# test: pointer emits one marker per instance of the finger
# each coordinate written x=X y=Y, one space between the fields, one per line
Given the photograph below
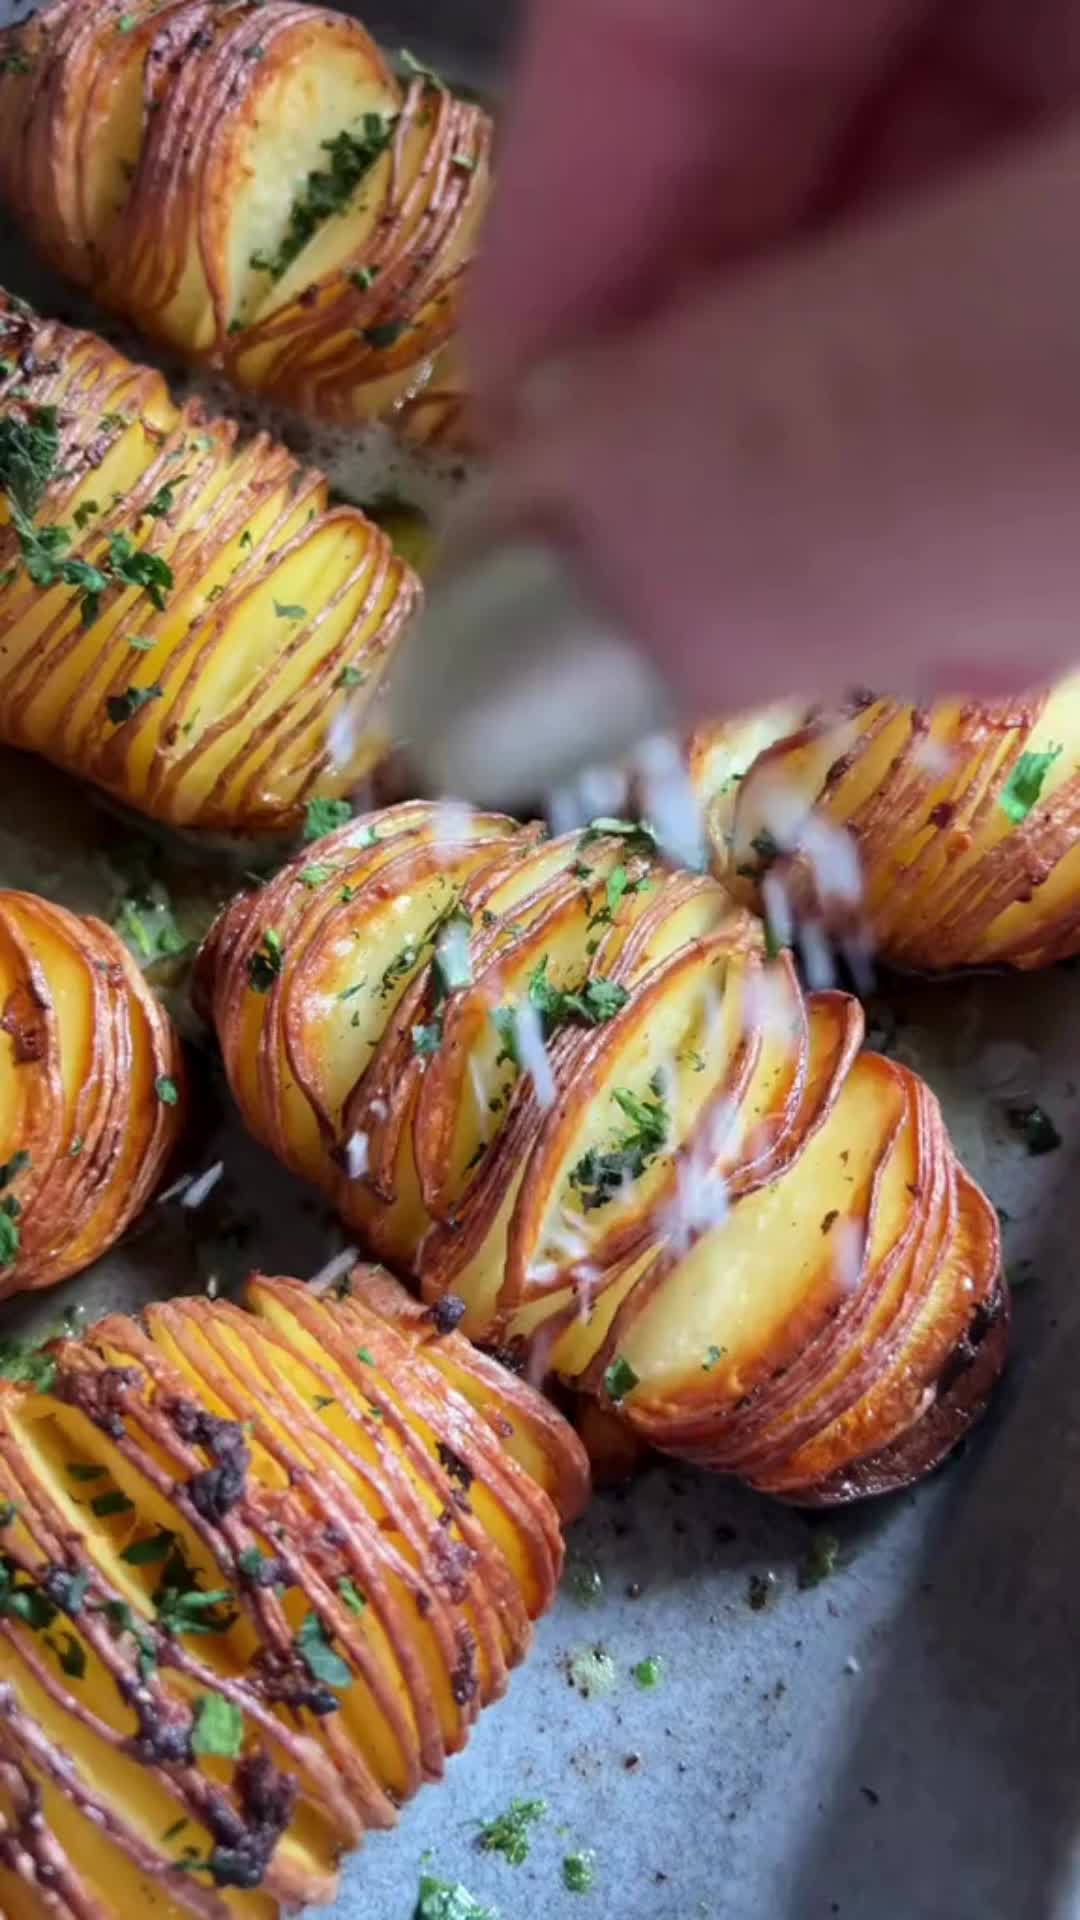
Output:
x=646 y=132
x=858 y=464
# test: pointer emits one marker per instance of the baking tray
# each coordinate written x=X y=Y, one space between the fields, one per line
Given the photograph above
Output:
x=899 y=1742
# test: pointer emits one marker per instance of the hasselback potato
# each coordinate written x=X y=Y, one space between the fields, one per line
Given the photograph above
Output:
x=183 y=619
x=260 y=1571
x=567 y=1084
x=92 y=1091
x=253 y=185
x=964 y=817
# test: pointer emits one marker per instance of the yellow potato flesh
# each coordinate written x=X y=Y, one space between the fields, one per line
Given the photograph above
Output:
x=716 y=1297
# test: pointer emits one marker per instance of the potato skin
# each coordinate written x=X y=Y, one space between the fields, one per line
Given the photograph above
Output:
x=227 y=669
x=94 y=1091
x=778 y=1271
x=139 y=134
x=964 y=817
x=286 y=1555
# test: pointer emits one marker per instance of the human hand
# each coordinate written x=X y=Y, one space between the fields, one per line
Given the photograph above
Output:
x=787 y=303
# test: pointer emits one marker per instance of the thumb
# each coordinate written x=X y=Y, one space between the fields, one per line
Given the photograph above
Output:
x=857 y=464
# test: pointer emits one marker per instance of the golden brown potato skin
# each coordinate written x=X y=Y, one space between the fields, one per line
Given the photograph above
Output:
x=965 y=818
x=92 y=1091
x=699 y=1199
x=241 y=681
x=275 y=1562
x=256 y=188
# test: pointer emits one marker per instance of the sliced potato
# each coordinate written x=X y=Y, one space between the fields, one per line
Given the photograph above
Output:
x=274 y=1563
x=253 y=186
x=92 y=1092
x=963 y=820
x=207 y=640
x=609 y=1135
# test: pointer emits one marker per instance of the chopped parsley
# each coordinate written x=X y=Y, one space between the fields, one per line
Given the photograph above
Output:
x=108 y=1505
x=350 y=677
x=266 y=962
x=323 y=816
x=619 y=1379
x=438 y=1900
x=328 y=190
x=10 y=1169
x=70 y=1654
x=217 y=1728
x=649 y=1672
x=1025 y=783
x=713 y=1355
x=592 y=1673
x=164 y=499
x=25 y=1363
x=351 y=1596
x=427 y=1039
x=639 y=838
x=314 y=876
x=147 y=925
x=166 y=1090
x=84 y=1475
x=121 y=706
x=385 y=334
x=323 y=1664
x=599 y=1176
x=591 y=1005
x=286 y=612
x=508 y=1833
x=29 y=450
x=363 y=277
x=579 y=1872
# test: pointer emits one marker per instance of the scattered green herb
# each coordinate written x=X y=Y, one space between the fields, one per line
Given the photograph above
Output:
x=1025 y=783
x=166 y=1090
x=324 y=1665
x=599 y=1176
x=286 y=612
x=217 y=1728
x=149 y=1552
x=619 y=1379
x=508 y=1833
x=713 y=1355
x=327 y=190
x=324 y=816
x=353 y=1599
x=84 y=1476
x=25 y=1363
x=579 y=1872
x=266 y=962
x=592 y=1672
x=121 y=706
x=438 y=1900
x=648 y=1673
x=314 y=875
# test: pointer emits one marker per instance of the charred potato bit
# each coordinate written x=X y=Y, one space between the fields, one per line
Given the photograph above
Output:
x=259 y=1572
x=92 y=1092
x=965 y=818
x=565 y=1085
x=253 y=186
x=183 y=619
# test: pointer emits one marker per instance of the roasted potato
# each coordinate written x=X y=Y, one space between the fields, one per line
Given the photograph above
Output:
x=261 y=1570
x=567 y=1085
x=92 y=1092
x=183 y=620
x=254 y=186
x=960 y=823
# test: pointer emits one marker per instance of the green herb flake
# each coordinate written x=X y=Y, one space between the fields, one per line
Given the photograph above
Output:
x=23 y=1362
x=508 y=1833
x=174 y=1832
x=166 y=1090
x=328 y=190
x=265 y=964
x=363 y=277
x=286 y=612
x=819 y=1561
x=351 y=1596
x=1025 y=783
x=325 y=1666
x=217 y=1728
x=350 y=677
x=384 y=335
x=85 y=1475
x=314 y=876
x=70 y=1654
x=648 y=1673
x=713 y=1356
x=323 y=816
x=438 y=1900
x=151 y=1551
x=619 y=1380
x=599 y=1176
x=427 y=1039
x=12 y=1168
x=368 y=1358
x=107 y=1505
x=586 y=1583
x=579 y=1872
x=122 y=706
